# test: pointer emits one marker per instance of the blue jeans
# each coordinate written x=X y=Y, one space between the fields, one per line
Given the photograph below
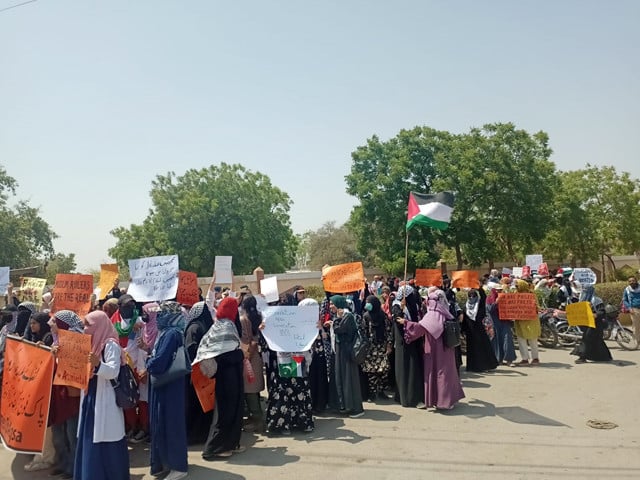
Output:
x=502 y=341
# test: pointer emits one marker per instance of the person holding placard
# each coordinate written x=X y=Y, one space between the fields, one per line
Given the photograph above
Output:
x=39 y=329
x=527 y=331
x=592 y=345
x=503 y=334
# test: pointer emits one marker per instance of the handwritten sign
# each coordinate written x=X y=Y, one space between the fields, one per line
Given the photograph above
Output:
x=533 y=261
x=222 y=269
x=4 y=280
x=290 y=329
x=517 y=306
x=584 y=276
x=344 y=278
x=205 y=388
x=517 y=272
x=73 y=366
x=465 y=279
x=269 y=288
x=72 y=291
x=428 y=277
x=188 y=293
x=108 y=275
x=153 y=278
x=580 y=313
x=31 y=289
x=26 y=395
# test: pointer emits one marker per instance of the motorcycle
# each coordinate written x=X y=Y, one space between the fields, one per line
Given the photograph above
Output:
x=568 y=335
x=614 y=329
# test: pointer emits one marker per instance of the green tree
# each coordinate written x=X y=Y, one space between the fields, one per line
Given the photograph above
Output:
x=25 y=237
x=219 y=210
x=331 y=245
x=59 y=263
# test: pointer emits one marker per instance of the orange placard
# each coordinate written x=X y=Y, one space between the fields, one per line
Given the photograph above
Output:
x=465 y=279
x=580 y=313
x=343 y=278
x=72 y=291
x=73 y=359
x=108 y=275
x=205 y=388
x=517 y=306
x=26 y=394
x=187 y=288
x=428 y=277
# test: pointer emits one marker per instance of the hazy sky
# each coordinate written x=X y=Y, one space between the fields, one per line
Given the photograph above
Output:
x=97 y=97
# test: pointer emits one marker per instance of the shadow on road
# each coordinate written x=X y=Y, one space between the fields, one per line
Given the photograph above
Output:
x=478 y=409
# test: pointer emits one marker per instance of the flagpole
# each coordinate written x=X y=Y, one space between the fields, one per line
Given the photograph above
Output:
x=406 y=256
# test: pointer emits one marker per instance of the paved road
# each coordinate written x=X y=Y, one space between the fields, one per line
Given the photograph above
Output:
x=516 y=423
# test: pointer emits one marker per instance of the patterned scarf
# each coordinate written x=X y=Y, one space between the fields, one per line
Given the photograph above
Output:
x=221 y=338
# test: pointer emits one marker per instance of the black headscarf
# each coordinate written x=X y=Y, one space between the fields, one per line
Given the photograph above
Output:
x=250 y=306
x=44 y=335
x=376 y=318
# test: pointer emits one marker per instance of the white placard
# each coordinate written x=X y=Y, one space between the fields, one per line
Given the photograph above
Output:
x=290 y=329
x=584 y=276
x=506 y=271
x=4 y=280
x=153 y=278
x=269 y=288
x=261 y=303
x=534 y=261
x=517 y=272
x=222 y=269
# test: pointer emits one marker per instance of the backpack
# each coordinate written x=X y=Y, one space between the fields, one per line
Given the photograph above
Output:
x=126 y=387
x=362 y=344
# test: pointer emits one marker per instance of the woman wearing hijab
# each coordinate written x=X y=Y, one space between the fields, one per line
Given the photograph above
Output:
x=39 y=329
x=376 y=366
x=25 y=310
x=480 y=355
x=502 y=341
x=250 y=319
x=408 y=357
x=101 y=452
x=527 y=331
x=222 y=343
x=199 y=321
x=347 y=374
x=442 y=387
x=289 y=404
x=65 y=403
x=169 y=434
x=592 y=346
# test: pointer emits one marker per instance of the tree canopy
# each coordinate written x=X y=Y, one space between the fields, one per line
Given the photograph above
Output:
x=218 y=210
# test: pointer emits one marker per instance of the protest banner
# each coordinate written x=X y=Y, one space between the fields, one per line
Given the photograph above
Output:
x=584 y=276
x=465 y=279
x=108 y=275
x=72 y=291
x=533 y=261
x=543 y=270
x=580 y=314
x=517 y=306
x=290 y=329
x=4 y=280
x=153 y=278
x=31 y=289
x=428 y=277
x=26 y=395
x=73 y=364
x=205 y=388
x=269 y=288
x=222 y=270
x=343 y=278
x=188 y=293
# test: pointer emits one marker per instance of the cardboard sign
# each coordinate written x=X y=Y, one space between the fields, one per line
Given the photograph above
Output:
x=108 y=275
x=205 y=388
x=517 y=306
x=4 y=280
x=533 y=261
x=517 y=272
x=428 y=277
x=31 y=289
x=290 y=329
x=188 y=293
x=73 y=364
x=269 y=288
x=465 y=279
x=543 y=270
x=72 y=291
x=222 y=270
x=26 y=395
x=580 y=314
x=584 y=276
x=153 y=278
x=343 y=278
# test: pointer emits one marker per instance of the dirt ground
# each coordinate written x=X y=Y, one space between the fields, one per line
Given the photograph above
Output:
x=515 y=423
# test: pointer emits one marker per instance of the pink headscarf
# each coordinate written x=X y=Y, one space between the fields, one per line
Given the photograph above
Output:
x=150 y=328
x=101 y=329
x=437 y=313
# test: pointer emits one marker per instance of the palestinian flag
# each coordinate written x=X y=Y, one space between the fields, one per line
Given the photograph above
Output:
x=432 y=210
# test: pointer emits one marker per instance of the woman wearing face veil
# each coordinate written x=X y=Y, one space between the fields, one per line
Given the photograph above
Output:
x=376 y=366
x=592 y=346
x=480 y=355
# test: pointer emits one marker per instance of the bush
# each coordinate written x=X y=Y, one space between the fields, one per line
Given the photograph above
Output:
x=315 y=291
x=611 y=292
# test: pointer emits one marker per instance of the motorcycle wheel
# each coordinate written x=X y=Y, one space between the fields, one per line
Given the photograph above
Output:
x=626 y=339
x=563 y=339
x=548 y=337
x=606 y=333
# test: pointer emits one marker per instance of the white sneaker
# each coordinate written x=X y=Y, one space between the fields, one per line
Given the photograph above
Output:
x=175 y=475
x=357 y=415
